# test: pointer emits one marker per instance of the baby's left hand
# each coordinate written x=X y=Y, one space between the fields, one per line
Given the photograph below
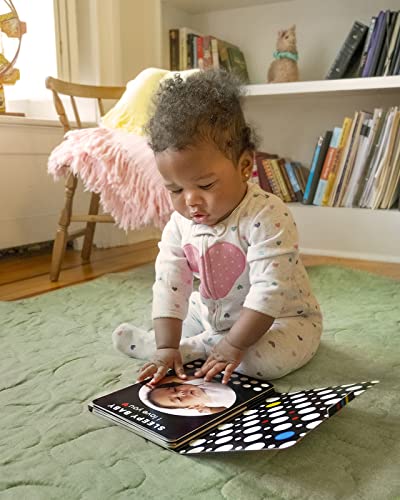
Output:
x=224 y=356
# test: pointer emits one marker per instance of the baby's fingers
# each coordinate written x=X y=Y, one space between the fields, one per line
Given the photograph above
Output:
x=178 y=367
x=147 y=371
x=228 y=372
x=160 y=374
x=207 y=366
x=217 y=367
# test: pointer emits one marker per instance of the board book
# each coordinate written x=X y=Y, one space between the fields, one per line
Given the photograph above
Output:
x=206 y=417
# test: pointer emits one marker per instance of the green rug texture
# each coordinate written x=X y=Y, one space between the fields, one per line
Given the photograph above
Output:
x=56 y=355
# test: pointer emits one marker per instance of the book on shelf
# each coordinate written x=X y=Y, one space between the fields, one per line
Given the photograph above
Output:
x=346 y=127
x=273 y=181
x=297 y=188
x=281 y=164
x=377 y=160
x=394 y=68
x=388 y=27
x=344 y=158
x=392 y=190
x=318 y=159
x=366 y=135
x=210 y=417
x=327 y=166
x=174 y=49
x=377 y=39
x=351 y=49
x=392 y=43
x=349 y=163
x=281 y=180
x=390 y=19
x=262 y=176
x=301 y=174
x=367 y=44
x=384 y=169
x=376 y=138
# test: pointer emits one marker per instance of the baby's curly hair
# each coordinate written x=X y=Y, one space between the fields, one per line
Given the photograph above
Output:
x=205 y=107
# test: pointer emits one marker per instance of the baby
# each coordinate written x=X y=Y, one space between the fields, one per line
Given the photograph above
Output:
x=193 y=394
x=254 y=312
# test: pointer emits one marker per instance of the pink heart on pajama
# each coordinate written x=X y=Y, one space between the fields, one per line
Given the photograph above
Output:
x=219 y=268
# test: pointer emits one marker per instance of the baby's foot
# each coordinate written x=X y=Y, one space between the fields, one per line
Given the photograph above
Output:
x=133 y=341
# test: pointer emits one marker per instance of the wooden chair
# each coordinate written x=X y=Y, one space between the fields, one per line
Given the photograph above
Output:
x=73 y=90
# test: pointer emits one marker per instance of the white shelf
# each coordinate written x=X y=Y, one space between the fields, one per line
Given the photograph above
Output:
x=200 y=7
x=357 y=233
x=343 y=86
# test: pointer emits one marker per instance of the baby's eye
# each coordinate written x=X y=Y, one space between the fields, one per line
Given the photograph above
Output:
x=176 y=191
x=207 y=186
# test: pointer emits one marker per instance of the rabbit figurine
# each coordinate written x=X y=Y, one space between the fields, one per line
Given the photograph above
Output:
x=284 y=67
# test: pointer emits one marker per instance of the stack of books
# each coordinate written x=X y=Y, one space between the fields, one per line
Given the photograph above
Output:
x=286 y=179
x=189 y=49
x=370 y=50
x=357 y=164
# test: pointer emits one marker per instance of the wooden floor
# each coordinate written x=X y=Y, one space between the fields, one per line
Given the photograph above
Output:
x=22 y=277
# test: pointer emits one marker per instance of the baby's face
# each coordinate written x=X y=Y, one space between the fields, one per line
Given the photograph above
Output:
x=205 y=186
x=180 y=396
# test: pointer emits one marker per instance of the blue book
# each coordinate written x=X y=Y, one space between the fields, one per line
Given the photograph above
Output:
x=316 y=166
x=327 y=166
x=293 y=181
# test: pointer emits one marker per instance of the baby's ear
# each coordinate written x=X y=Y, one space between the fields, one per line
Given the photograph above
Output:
x=281 y=33
x=292 y=28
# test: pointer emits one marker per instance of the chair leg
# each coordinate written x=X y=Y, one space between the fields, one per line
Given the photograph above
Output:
x=90 y=228
x=61 y=238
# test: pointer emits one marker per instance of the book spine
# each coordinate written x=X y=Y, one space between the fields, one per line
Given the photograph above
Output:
x=316 y=165
x=262 y=176
x=346 y=127
x=174 y=49
x=327 y=166
x=372 y=55
x=271 y=178
x=200 y=56
x=349 y=47
x=182 y=49
x=281 y=181
x=189 y=48
x=388 y=28
x=281 y=163
x=392 y=46
x=396 y=57
x=214 y=53
x=207 y=55
x=366 y=46
x=300 y=175
x=294 y=182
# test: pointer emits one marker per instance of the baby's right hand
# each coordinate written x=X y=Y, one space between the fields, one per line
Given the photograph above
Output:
x=163 y=360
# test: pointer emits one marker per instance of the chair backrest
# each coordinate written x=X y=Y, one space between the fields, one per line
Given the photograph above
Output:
x=73 y=90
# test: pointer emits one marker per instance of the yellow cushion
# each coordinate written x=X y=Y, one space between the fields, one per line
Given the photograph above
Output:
x=132 y=111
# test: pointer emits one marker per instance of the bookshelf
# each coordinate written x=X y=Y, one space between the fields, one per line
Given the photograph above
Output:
x=290 y=116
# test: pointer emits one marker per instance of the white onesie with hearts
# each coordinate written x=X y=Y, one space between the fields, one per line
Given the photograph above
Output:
x=249 y=259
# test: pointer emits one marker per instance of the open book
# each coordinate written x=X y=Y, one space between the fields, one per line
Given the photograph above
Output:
x=194 y=416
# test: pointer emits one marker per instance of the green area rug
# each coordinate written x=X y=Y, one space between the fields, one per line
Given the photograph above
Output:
x=56 y=354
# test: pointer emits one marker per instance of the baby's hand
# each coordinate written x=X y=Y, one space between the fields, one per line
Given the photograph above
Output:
x=224 y=356
x=163 y=360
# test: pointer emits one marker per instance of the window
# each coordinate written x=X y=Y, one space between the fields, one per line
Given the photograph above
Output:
x=37 y=58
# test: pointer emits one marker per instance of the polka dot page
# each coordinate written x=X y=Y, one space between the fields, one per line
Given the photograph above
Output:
x=278 y=422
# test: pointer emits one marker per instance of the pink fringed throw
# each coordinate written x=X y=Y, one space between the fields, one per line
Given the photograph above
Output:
x=120 y=166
